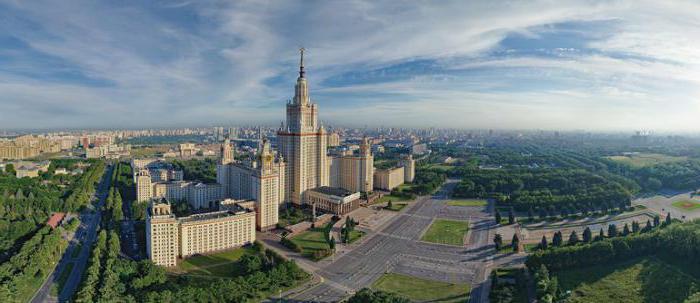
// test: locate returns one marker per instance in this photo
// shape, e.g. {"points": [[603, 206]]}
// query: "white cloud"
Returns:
{"points": [[215, 64]]}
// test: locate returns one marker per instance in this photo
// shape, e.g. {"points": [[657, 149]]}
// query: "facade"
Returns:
{"points": [[388, 179], [169, 238], [303, 143], [157, 179], [333, 139], [261, 179], [188, 150], [333, 200], [354, 172], [409, 167], [27, 147]]}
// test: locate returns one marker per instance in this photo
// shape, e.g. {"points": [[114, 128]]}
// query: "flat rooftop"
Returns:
{"points": [[334, 191], [211, 215]]}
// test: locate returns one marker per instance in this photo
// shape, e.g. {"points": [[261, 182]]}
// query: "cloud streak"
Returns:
{"points": [[496, 64]]}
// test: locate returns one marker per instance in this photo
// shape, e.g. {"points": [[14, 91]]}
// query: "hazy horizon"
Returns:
{"points": [[570, 65]]}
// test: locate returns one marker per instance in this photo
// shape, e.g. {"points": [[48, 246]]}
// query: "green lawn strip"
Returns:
{"points": [[449, 232], [356, 235], [422, 290], [467, 202], [396, 206], [646, 159], [686, 205], [392, 198], [639, 280], [196, 262], [310, 241]]}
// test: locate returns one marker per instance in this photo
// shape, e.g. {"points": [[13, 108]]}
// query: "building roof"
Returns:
{"points": [[334, 191], [211, 215], [55, 219]]}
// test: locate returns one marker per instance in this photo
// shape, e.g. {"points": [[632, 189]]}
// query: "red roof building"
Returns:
{"points": [[55, 220]]}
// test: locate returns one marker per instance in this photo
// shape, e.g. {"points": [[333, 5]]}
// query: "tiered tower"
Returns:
{"points": [[302, 143]]}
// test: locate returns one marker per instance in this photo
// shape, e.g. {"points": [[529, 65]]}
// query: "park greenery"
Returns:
{"points": [[203, 170], [366, 295], [27, 203], [26, 270], [633, 257], [508, 285]]}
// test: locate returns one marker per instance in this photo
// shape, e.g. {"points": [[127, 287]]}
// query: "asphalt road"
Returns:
{"points": [[396, 247], [85, 235]]}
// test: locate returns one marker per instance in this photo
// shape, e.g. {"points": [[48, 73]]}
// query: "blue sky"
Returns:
{"points": [[617, 65]]}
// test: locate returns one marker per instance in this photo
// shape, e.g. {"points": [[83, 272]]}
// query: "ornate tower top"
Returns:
{"points": [[301, 63]]}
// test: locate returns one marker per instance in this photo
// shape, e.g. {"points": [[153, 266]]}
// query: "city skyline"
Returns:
{"points": [[576, 65]]}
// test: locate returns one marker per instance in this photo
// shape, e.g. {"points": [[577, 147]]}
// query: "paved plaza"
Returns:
{"points": [[395, 246], [662, 205]]}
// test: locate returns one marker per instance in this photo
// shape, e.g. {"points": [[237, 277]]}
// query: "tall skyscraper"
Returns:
{"points": [[303, 143]]}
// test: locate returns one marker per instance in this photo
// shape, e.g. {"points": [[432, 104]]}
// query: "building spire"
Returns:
{"points": [[301, 63]]}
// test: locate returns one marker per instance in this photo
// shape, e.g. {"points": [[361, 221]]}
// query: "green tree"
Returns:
{"points": [[498, 217], [612, 231], [515, 242], [668, 219], [635, 227], [573, 238], [557, 239], [511, 217], [498, 240], [625, 230], [587, 235], [10, 169], [657, 220], [543, 242]]}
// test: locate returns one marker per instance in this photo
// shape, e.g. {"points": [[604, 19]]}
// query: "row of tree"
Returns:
{"points": [[677, 239], [26, 270]]}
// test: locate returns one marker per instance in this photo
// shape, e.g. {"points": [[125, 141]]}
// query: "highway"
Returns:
{"points": [[396, 247], [85, 235]]}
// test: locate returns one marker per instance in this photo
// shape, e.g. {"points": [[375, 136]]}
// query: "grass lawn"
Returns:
{"points": [[446, 232], [311, 240], [639, 280], [392, 198], [686, 205], [356, 235], [396, 206], [646, 159], [467, 202], [422, 290], [194, 263]]}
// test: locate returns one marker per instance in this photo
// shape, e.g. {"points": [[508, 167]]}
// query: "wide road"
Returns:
{"points": [[396, 247], [85, 236]]}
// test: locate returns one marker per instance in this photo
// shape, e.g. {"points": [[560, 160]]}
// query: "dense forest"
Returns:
{"points": [[528, 189], [27, 203]]}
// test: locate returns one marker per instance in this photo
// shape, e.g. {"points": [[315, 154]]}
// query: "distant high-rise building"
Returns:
{"points": [[303, 143]]}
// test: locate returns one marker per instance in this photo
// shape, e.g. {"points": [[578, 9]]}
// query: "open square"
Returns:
{"points": [[450, 232]]}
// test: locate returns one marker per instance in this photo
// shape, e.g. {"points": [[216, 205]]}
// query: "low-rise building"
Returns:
{"points": [[169, 237], [333, 200]]}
